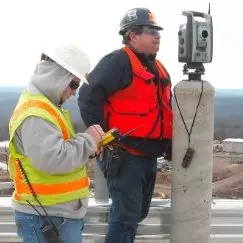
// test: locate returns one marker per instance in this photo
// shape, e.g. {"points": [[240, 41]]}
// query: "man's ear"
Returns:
{"points": [[133, 36]]}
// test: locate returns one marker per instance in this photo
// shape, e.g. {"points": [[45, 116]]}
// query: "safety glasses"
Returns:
{"points": [[74, 85], [150, 30]]}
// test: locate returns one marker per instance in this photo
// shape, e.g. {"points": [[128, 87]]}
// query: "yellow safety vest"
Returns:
{"points": [[50, 189]]}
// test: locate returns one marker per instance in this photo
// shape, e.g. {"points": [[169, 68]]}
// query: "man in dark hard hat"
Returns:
{"points": [[131, 90]]}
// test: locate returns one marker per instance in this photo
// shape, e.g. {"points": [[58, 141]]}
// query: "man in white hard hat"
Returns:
{"points": [[47, 158]]}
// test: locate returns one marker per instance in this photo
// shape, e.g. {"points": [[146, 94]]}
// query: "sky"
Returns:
{"points": [[30, 26]]}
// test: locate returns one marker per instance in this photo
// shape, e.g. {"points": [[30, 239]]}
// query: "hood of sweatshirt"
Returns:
{"points": [[50, 79]]}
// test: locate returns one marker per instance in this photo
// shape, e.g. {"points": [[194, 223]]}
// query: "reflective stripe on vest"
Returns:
{"points": [[51, 189], [57, 188], [139, 106], [46, 107]]}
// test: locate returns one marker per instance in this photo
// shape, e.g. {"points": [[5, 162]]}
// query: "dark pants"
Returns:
{"points": [[131, 193]]}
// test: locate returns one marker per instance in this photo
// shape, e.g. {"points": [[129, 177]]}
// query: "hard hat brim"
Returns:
{"points": [[83, 79], [124, 29], [71, 70]]}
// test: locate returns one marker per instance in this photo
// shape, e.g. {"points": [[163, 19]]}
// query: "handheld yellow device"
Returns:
{"points": [[110, 136]]}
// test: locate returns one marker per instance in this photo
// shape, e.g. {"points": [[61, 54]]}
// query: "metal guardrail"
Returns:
{"points": [[226, 225], [4, 147], [6, 185]]}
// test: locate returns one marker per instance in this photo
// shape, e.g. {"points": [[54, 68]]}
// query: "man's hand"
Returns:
{"points": [[97, 133]]}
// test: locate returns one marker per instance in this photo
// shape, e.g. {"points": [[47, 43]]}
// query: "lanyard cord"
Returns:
{"points": [[35, 196], [194, 117]]}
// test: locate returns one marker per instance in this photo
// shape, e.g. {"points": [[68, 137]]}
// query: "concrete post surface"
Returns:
{"points": [[100, 188], [192, 186]]}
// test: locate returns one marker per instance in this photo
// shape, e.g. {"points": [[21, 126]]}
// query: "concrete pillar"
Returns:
{"points": [[4, 147], [100, 189], [192, 186]]}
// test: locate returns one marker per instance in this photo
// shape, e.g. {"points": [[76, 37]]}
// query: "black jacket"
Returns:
{"points": [[113, 73]]}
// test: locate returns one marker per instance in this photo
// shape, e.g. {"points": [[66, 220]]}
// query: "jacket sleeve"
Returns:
{"points": [[109, 75], [48, 151]]}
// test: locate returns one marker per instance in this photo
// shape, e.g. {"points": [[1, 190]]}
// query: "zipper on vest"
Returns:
{"points": [[107, 121], [154, 125], [159, 117], [160, 110]]}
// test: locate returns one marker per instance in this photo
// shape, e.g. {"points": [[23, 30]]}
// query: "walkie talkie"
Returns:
{"points": [[188, 157], [50, 234]]}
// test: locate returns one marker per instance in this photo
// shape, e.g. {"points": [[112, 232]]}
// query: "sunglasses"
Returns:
{"points": [[150, 30], [74, 85]]}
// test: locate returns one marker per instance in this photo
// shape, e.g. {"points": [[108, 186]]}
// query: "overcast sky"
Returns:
{"points": [[28, 26]]}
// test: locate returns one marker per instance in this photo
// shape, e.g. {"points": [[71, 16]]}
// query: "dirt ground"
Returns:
{"points": [[227, 179]]}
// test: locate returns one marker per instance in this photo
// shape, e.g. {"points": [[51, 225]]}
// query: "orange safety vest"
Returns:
{"points": [[143, 104]]}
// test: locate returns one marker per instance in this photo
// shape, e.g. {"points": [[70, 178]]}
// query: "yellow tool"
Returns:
{"points": [[110, 136], [114, 135]]}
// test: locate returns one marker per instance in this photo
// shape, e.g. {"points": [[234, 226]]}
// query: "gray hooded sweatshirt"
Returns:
{"points": [[43, 143]]}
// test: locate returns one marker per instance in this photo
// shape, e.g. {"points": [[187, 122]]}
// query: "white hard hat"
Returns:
{"points": [[72, 58]]}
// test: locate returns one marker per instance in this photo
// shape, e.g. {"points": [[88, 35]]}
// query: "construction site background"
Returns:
{"points": [[227, 175]]}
